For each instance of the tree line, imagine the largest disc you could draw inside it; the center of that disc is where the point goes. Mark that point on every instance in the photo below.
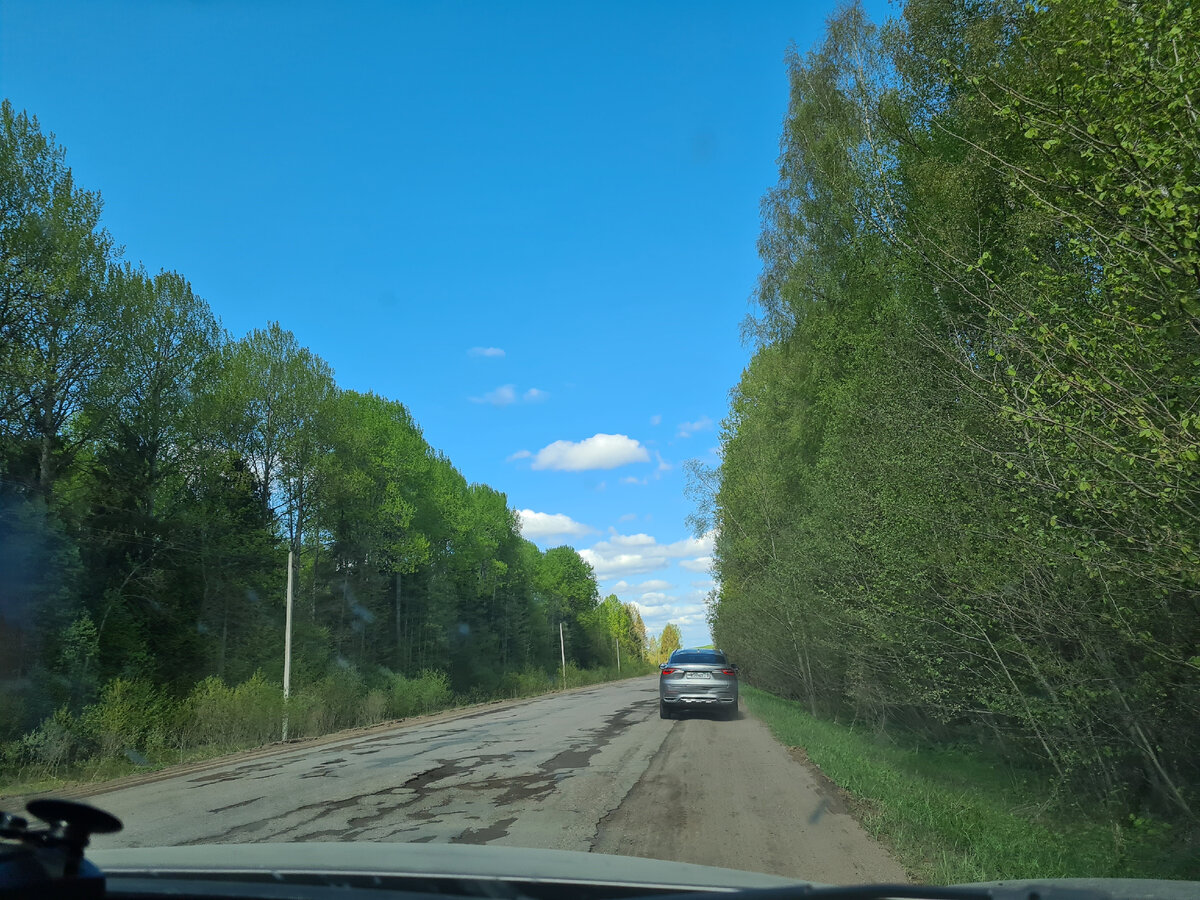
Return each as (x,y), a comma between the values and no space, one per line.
(960,490)
(155,472)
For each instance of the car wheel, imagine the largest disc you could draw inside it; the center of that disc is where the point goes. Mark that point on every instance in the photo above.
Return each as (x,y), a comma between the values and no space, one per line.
(663,712)
(731,714)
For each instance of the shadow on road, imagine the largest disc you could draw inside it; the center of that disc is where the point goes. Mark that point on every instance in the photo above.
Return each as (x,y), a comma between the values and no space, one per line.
(713,714)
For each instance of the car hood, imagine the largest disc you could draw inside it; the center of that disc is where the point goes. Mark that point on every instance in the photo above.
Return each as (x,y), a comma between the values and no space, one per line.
(433,860)
(489,862)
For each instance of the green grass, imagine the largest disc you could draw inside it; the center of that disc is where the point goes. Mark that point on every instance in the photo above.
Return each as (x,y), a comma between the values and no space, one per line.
(952,815)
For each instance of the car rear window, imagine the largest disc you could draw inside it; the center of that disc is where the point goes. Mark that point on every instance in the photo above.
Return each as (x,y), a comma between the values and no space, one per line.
(697,656)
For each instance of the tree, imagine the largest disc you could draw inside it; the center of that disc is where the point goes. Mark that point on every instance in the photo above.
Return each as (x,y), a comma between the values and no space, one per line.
(62,345)
(269,406)
(956,484)
(668,642)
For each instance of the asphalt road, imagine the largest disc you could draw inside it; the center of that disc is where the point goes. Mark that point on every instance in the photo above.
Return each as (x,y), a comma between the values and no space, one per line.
(587,770)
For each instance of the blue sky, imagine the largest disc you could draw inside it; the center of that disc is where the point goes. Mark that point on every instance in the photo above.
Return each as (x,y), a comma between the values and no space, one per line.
(532,223)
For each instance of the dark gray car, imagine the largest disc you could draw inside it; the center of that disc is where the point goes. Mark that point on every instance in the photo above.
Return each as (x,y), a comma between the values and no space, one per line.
(695,679)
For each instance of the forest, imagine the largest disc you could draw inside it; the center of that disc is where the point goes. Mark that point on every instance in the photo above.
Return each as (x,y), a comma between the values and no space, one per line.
(155,472)
(959,496)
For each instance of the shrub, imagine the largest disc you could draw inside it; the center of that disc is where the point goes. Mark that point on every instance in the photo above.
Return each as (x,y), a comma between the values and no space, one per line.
(130,715)
(59,741)
(217,715)
(426,693)
(373,707)
(332,703)
(259,703)
(527,683)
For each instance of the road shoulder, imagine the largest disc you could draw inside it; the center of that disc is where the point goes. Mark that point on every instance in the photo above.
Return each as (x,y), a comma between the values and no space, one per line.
(729,794)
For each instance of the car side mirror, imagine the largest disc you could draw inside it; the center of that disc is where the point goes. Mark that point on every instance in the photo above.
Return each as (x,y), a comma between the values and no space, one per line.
(662,665)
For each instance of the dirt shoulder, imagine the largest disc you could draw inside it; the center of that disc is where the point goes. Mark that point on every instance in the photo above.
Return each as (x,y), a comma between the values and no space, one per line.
(729,794)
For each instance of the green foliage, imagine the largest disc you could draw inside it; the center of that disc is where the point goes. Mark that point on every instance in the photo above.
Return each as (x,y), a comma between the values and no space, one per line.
(214,714)
(55,744)
(958,491)
(427,692)
(527,683)
(131,715)
(668,642)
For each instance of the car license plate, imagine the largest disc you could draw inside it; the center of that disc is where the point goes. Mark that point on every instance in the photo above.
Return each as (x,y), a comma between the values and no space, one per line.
(699,675)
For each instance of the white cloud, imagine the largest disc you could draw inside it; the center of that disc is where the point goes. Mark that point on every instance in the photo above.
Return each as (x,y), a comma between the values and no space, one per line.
(520,454)
(656,615)
(601,451)
(485,351)
(534,395)
(687,429)
(633,479)
(620,555)
(703,564)
(539,524)
(663,465)
(654,584)
(610,564)
(628,517)
(501,396)
(656,420)
(705,585)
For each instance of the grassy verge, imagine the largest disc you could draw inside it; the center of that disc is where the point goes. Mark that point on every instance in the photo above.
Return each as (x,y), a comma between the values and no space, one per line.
(952,815)
(119,737)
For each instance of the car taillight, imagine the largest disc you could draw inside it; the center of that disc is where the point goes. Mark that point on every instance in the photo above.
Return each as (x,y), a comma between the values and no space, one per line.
(728,672)
(669,671)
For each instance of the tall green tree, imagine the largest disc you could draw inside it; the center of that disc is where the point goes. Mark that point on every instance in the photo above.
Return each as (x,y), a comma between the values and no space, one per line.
(957,483)
(63,348)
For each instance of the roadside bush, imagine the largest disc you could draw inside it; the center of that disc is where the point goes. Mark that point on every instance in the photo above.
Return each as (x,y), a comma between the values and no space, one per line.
(526,683)
(426,693)
(373,708)
(208,715)
(217,715)
(260,703)
(332,703)
(57,742)
(130,715)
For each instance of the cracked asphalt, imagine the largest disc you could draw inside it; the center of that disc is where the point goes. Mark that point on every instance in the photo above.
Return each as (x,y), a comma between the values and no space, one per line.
(594,769)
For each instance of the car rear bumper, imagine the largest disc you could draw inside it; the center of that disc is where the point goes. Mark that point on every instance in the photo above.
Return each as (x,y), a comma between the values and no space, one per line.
(699,700)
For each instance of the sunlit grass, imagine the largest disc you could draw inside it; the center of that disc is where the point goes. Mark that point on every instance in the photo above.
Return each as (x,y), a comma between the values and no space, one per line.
(951,815)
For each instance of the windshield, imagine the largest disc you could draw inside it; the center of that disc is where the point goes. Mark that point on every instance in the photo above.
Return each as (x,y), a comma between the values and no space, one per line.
(696,656)
(397,398)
